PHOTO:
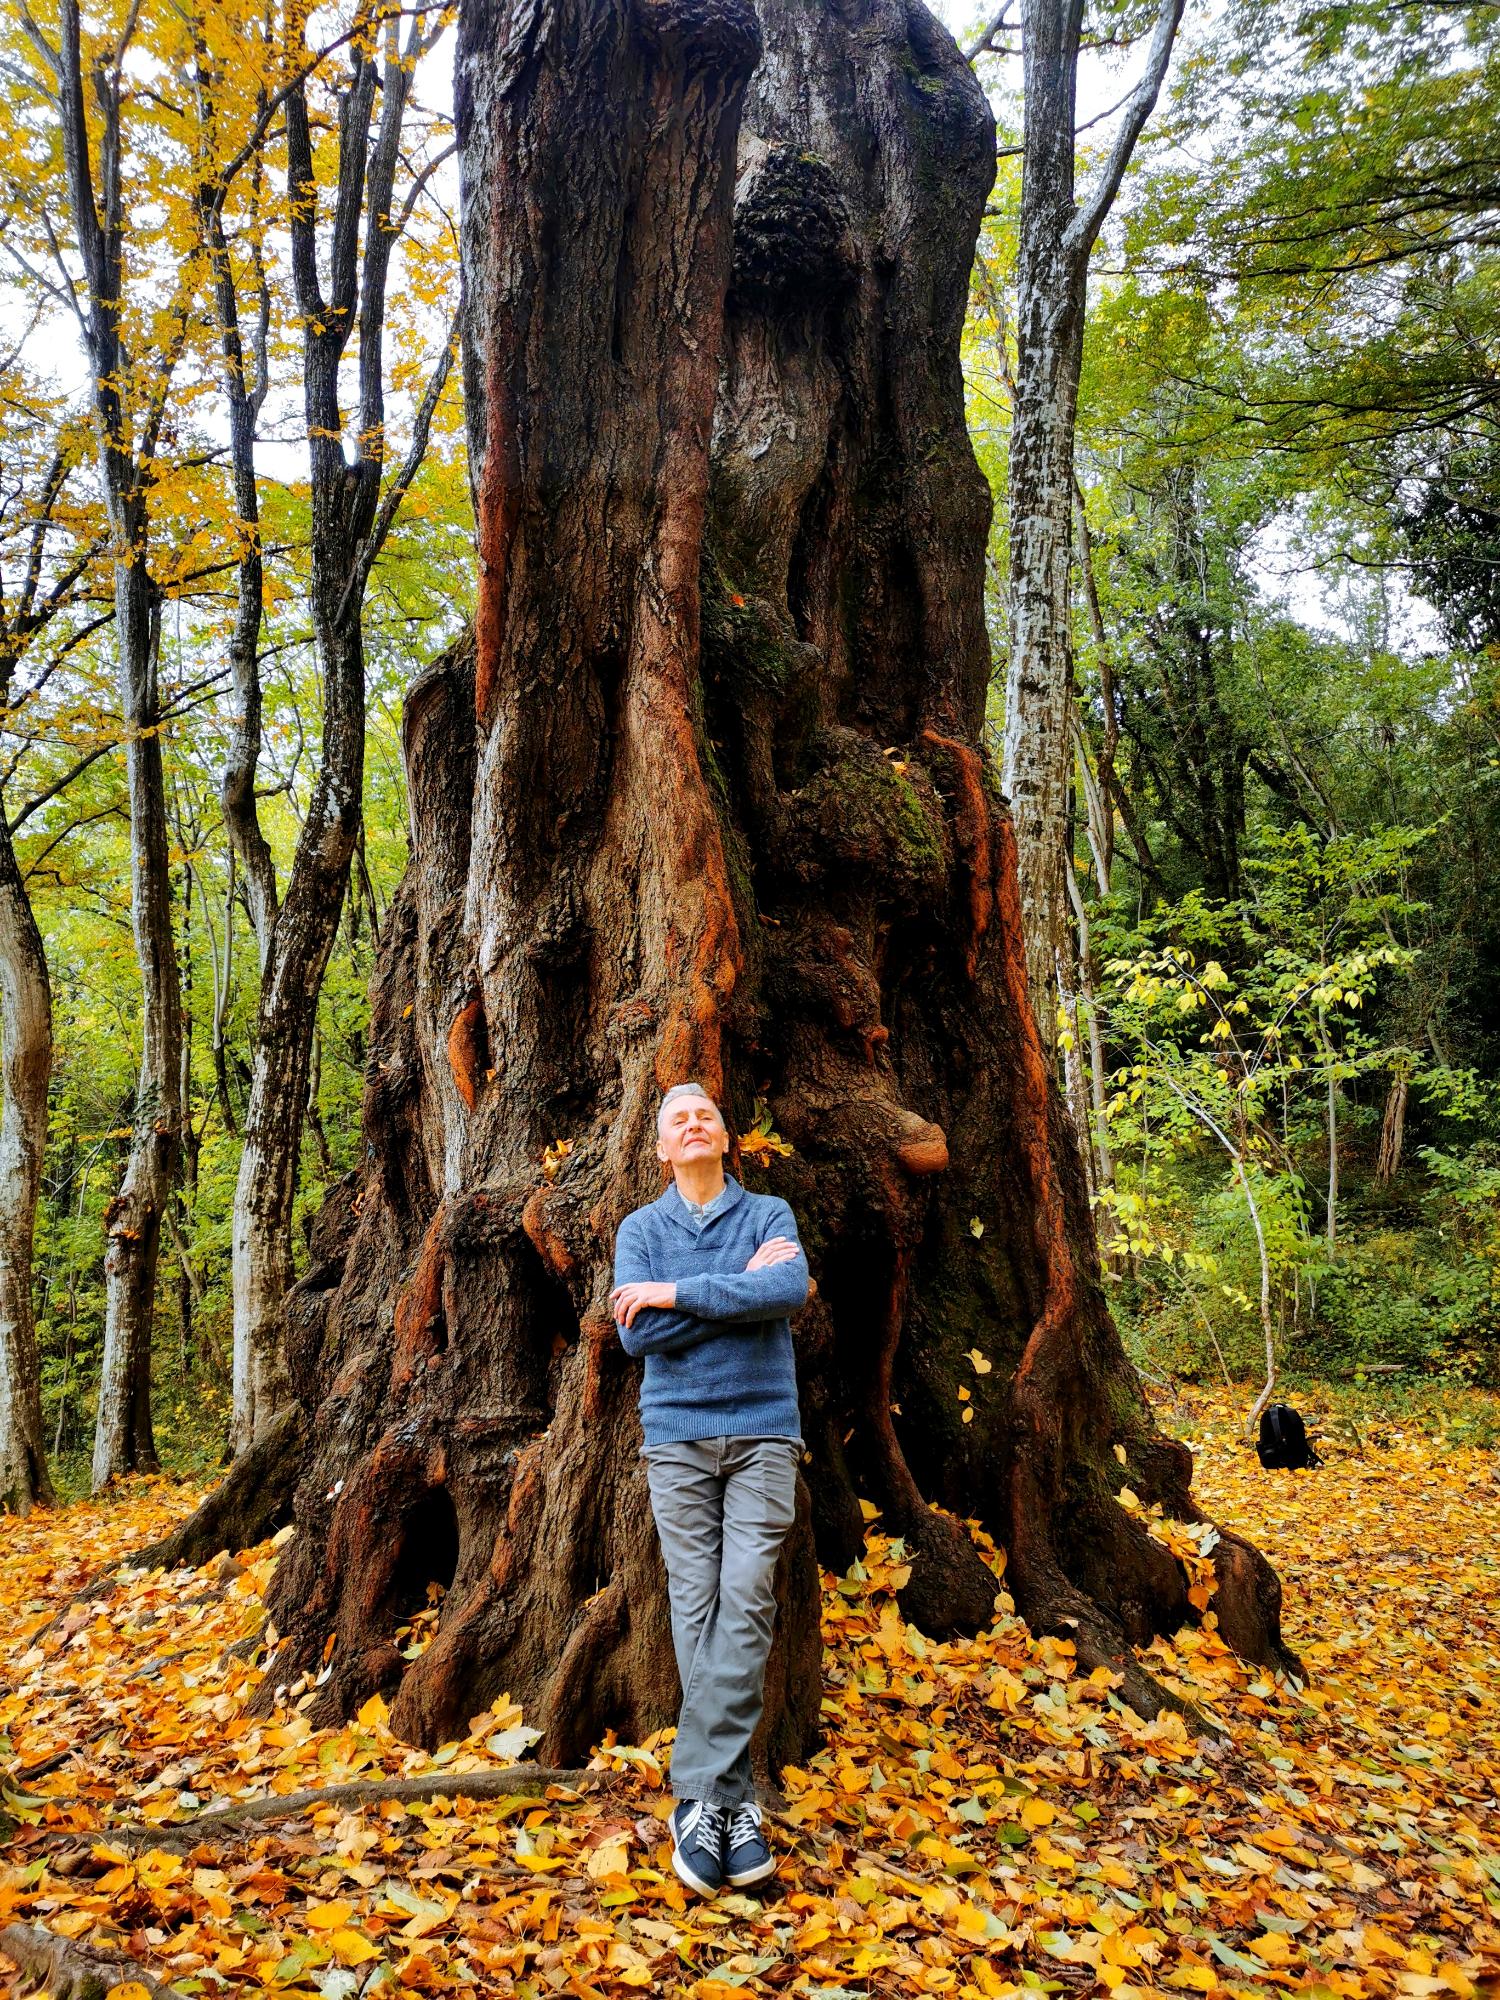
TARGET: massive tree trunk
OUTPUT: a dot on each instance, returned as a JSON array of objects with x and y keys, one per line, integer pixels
[{"x": 706, "y": 800}]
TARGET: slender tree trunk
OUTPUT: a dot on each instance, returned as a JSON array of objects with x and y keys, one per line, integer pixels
[
  {"x": 1051, "y": 280},
  {"x": 25, "y": 1066},
  {"x": 1107, "y": 783},
  {"x": 1074, "y": 1086},
  {"x": 302, "y": 942},
  {"x": 1104, "y": 1164},
  {"x": 123, "y": 1437},
  {"x": 128, "y": 411},
  {"x": 350, "y": 519},
  {"x": 656, "y": 833},
  {"x": 1331, "y": 1221},
  {"x": 1393, "y": 1127},
  {"x": 314, "y": 1113},
  {"x": 1057, "y": 234}
]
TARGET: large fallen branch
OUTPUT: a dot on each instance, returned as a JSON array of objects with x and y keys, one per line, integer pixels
[
  {"x": 69, "y": 1969},
  {"x": 221, "y": 1822}
]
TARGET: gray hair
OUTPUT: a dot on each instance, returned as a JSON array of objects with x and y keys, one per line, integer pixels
[{"x": 682, "y": 1090}]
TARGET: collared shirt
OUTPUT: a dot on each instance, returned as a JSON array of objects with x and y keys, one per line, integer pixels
[{"x": 700, "y": 1211}]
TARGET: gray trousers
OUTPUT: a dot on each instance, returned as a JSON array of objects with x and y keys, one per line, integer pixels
[{"x": 723, "y": 1506}]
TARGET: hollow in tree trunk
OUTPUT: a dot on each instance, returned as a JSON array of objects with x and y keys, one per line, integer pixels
[{"x": 706, "y": 799}]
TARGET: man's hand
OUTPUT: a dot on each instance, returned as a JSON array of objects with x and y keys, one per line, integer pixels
[
  {"x": 628, "y": 1300},
  {"x": 775, "y": 1250}
]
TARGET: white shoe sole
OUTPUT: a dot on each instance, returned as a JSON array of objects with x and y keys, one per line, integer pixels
[
  {"x": 693, "y": 1881},
  {"x": 761, "y": 1874}
]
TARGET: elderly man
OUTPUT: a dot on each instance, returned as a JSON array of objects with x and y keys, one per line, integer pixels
[{"x": 704, "y": 1280}]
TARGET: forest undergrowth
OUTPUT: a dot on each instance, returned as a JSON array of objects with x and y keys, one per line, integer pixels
[{"x": 982, "y": 1821}]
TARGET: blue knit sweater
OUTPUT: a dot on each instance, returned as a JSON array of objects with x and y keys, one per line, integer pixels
[{"x": 720, "y": 1364}]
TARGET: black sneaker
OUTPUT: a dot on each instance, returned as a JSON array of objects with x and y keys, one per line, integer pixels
[
  {"x": 747, "y": 1855},
  {"x": 698, "y": 1831}
]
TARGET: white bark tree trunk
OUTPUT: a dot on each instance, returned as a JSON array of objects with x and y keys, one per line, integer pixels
[
  {"x": 123, "y": 1437},
  {"x": 26, "y": 1031},
  {"x": 1057, "y": 235}
]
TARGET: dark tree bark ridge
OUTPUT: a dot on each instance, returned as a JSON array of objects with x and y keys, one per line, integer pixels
[{"x": 706, "y": 799}]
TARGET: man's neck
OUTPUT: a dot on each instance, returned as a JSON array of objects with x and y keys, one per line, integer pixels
[{"x": 699, "y": 1180}]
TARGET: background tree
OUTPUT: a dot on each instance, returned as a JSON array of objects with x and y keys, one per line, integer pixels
[
  {"x": 353, "y": 506},
  {"x": 47, "y": 543},
  {"x": 129, "y": 402},
  {"x": 1056, "y": 237}
]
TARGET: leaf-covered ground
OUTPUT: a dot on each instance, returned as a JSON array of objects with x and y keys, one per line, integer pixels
[{"x": 983, "y": 1820}]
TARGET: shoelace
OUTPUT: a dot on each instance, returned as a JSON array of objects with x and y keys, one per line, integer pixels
[{"x": 744, "y": 1824}]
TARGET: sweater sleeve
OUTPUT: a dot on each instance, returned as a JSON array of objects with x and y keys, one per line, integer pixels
[
  {"x": 657, "y": 1329},
  {"x": 771, "y": 1293}
]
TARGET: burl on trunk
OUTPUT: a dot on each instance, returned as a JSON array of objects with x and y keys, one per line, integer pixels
[{"x": 706, "y": 799}]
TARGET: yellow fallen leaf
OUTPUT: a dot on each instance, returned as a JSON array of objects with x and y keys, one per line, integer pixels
[
  {"x": 353, "y": 1947},
  {"x": 611, "y": 1857},
  {"x": 327, "y": 1916},
  {"x": 1271, "y": 1948}
]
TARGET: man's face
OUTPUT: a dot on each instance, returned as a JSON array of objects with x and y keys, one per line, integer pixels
[{"x": 691, "y": 1129}]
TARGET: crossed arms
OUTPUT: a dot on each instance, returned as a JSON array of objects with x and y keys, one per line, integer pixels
[{"x": 657, "y": 1318}]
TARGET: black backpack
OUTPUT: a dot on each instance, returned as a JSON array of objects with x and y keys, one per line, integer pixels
[{"x": 1283, "y": 1439}]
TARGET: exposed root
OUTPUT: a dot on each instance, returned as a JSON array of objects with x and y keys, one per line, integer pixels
[
  {"x": 252, "y": 1501},
  {"x": 1141, "y": 1689},
  {"x": 69, "y": 1969},
  {"x": 1247, "y": 1605},
  {"x": 227, "y": 1822}
]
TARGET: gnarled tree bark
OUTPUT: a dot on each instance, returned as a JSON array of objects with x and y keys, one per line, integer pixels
[{"x": 706, "y": 799}]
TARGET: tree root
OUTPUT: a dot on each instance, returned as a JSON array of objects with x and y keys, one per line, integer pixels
[
  {"x": 219, "y": 1822},
  {"x": 250, "y": 1502},
  {"x": 71, "y": 1970},
  {"x": 1142, "y": 1690}
]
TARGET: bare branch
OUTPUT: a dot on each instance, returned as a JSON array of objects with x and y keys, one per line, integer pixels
[
  {"x": 984, "y": 42},
  {"x": 417, "y": 451},
  {"x": 1086, "y": 224}
]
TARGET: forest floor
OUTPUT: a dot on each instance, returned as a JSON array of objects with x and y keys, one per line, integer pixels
[{"x": 982, "y": 1821}]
